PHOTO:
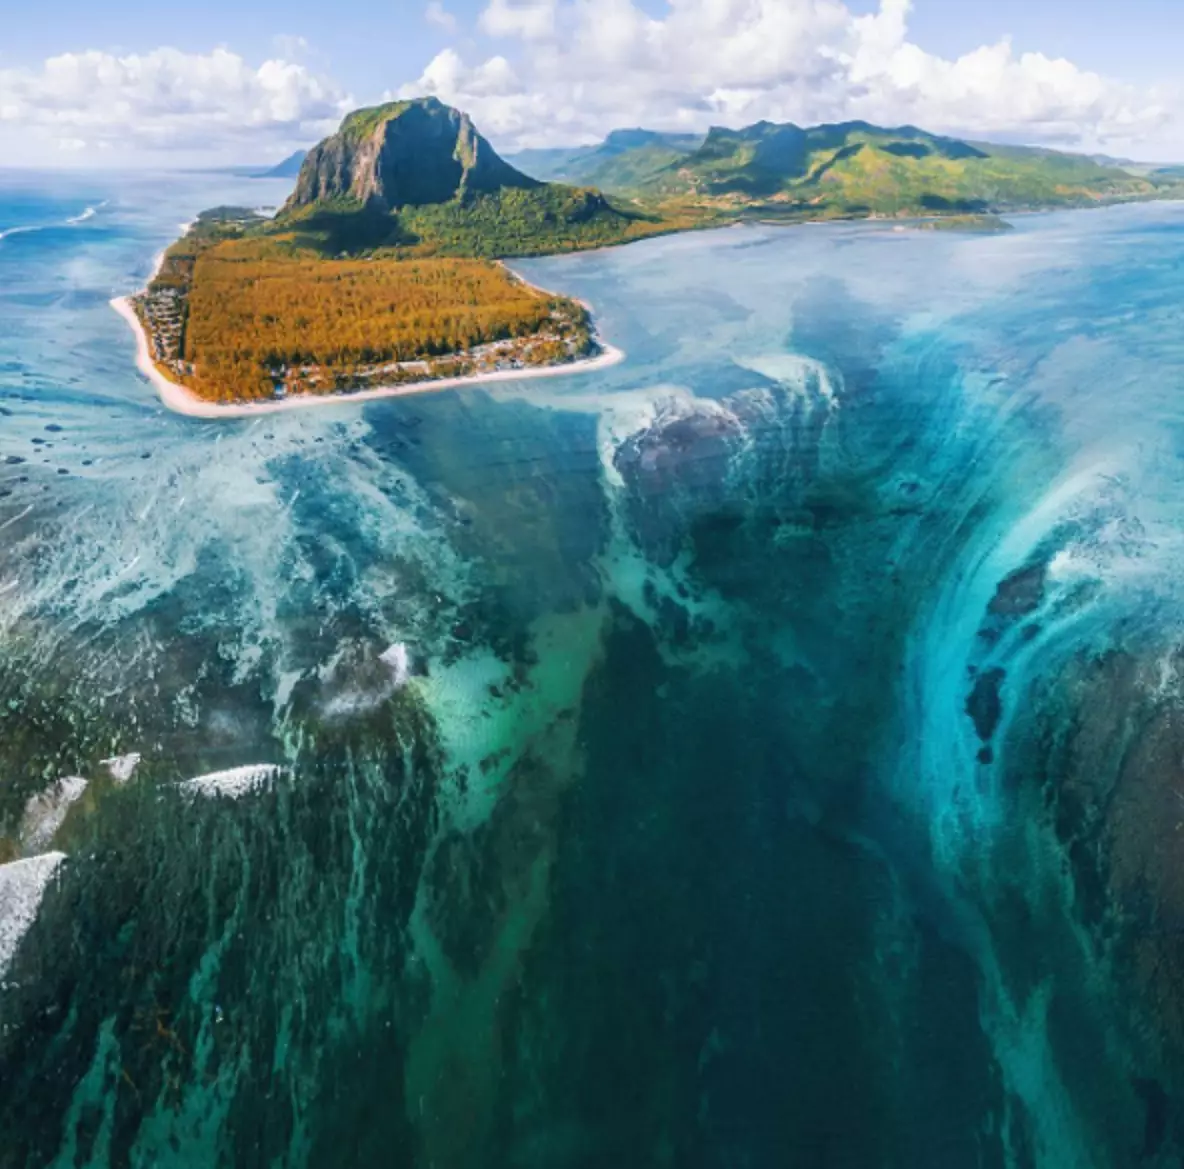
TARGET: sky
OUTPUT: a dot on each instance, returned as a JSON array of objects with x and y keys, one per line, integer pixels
[{"x": 225, "y": 82}]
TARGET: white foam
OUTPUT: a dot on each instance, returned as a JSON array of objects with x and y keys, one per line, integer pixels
[
  {"x": 795, "y": 372},
  {"x": 22, "y": 886},
  {"x": 19, "y": 230},
  {"x": 398, "y": 660},
  {"x": 121, "y": 767},
  {"x": 45, "y": 813},
  {"x": 233, "y": 783},
  {"x": 82, "y": 217}
]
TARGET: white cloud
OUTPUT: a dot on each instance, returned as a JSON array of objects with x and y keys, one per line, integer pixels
[
  {"x": 165, "y": 100},
  {"x": 494, "y": 78},
  {"x": 570, "y": 70},
  {"x": 586, "y": 66},
  {"x": 531, "y": 19},
  {"x": 435, "y": 13}
]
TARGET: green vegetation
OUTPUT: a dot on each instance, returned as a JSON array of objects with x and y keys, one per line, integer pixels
[
  {"x": 362, "y": 123},
  {"x": 527, "y": 223},
  {"x": 975, "y": 224},
  {"x": 512, "y": 222},
  {"x": 240, "y": 312},
  {"x": 850, "y": 169},
  {"x": 326, "y": 325}
]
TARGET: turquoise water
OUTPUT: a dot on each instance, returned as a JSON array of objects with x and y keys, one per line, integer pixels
[{"x": 764, "y": 752}]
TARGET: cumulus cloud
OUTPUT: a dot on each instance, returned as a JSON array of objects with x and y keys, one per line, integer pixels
[
  {"x": 562, "y": 71},
  {"x": 531, "y": 19},
  {"x": 586, "y": 66},
  {"x": 166, "y": 100}
]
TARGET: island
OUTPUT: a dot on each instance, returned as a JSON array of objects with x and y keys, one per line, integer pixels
[{"x": 384, "y": 273}]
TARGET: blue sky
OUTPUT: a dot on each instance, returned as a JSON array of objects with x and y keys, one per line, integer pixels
[
  {"x": 142, "y": 82},
  {"x": 1137, "y": 40}
]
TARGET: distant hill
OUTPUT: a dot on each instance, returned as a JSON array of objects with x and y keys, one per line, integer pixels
[
  {"x": 417, "y": 174},
  {"x": 288, "y": 169},
  {"x": 623, "y": 161},
  {"x": 850, "y": 168}
]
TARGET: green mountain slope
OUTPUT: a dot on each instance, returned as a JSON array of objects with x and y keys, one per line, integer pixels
[
  {"x": 416, "y": 176},
  {"x": 854, "y": 168}
]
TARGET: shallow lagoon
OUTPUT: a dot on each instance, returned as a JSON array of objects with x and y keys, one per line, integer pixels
[{"x": 763, "y": 752}]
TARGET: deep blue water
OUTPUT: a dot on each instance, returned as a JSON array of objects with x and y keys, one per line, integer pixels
[{"x": 765, "y": 752}]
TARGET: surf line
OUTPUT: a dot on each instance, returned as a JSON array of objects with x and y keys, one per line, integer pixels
[{"x": 72, "y": 221}]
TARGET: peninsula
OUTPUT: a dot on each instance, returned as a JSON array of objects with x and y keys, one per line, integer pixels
[{"x": 383, "y": 273}]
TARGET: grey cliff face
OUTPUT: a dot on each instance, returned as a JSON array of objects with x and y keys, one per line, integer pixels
[{"x": 417, "y": 153}]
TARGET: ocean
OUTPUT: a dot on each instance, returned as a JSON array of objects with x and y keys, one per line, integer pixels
[{"x": 764, "y": 752}]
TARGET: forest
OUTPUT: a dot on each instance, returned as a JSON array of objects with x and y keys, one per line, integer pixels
[{"x": 258, "y": 322}]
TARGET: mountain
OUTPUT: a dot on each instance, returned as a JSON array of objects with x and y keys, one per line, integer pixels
[
  {"x": 417, "y": 175},
  {"x": 288, "y": 169},
  {"x": 850, "y": 168},
  {"x": 551, "y": 163},
  {"x": 856, "y": 168},
  {"x": 624, "y": 160},
  {"x": 768, "y": 160},
  {"x": 406, "y": 152}
]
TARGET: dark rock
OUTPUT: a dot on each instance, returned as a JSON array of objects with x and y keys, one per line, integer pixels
[
  {"x": 1020, "y": 593},
  {"x": 985, "y": 706}
]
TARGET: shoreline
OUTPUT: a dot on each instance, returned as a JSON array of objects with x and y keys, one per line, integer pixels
[{"x": 181, "y": 400}]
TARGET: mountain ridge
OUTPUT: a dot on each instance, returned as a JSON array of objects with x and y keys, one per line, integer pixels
[{"x": 848, "y": 169}]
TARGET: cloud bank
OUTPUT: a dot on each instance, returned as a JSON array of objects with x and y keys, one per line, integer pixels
[
  {"x": 547, "y": 72},
  {"x": 585, "y": 66},
  {"x": 165, "y": 100}
]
